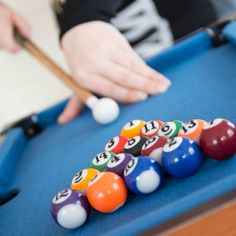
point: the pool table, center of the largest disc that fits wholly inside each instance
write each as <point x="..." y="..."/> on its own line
<point x="39" y="159"/>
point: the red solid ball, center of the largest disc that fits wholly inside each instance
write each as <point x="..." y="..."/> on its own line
<point x="116" y="144"/>
<point x="218" y="139"/>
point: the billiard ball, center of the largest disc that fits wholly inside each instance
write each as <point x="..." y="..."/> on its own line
<point x="218" y="139"/>
<point x="170" y="129"/>
<point x="132" y="128"/>
<point x="100" y="161"/>
<point x="82" y="178"/>
<point x="104" y="110"/>
<point x="151" y="128"/>
<point x="134" y="145"/>
<point x="116" y="144"/>
<point x="143" y="175"/>
<point x="192" y="129"/>
<point x="181" y="157"/>
<point x="118" y="163"/>
<point x="70" y="209"/>
<point x="107" y="192"/>
<point x="153" y="148"/>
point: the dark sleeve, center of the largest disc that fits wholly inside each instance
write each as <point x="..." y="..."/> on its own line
<point x="74" y="12"/>
<point x="186" y="16"/>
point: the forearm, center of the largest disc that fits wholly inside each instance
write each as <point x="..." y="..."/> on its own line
<point x="75" y="12"/>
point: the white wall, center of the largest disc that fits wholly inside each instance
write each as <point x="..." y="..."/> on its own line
<point x="25" y="85"/>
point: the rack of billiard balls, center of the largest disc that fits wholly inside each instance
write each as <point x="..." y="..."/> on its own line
<point x="137" y="160"/>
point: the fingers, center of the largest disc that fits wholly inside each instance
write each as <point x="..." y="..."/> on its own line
<point x="106" y="87"/>
<point x="134" y="63"/>
<point x="9" y="20"/>
<point x="21" y="24"/>
<point x="72" y="109"/>
<point x="102" y="61"/>
<point x="6" y="31"/>
<point x="132" y="79"/>
<point x="8" y="42"/>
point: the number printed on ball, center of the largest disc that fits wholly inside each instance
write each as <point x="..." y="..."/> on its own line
<point x="189" y="127"/>
<point x="172" y="144"/>
<point x="167" y="129"/>
<point x="130" y="166"/>
<point x="96" y="178"/>
<point x="116" y="160"/>
<point x="62" y="196"/>
<point x="111" y="144"/>
<point x="213" y="123"/>
<point x="101" y="158"/>
<point x="132" y="124"/>
<point x="150" y="142"/>
<point x="80" y="176"/>
<point x="132" y="142"/>
<point x="150" y="127"/>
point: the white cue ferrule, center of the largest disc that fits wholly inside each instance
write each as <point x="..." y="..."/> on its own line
<point x="92" y="101"/>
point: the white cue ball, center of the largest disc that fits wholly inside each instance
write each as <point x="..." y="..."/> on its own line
<point x="105" y="111"/>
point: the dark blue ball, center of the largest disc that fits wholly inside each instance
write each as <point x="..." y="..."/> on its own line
<point x="181" y="157"/>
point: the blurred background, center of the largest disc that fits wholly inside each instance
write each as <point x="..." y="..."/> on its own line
<point x="25" y="85"/>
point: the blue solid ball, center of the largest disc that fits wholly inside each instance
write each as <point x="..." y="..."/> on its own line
<point x="143" y="175"/>
<point x="181" y="157"/>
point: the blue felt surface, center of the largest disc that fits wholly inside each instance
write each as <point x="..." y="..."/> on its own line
<point x="229" y="32"/>
<point x="10" y="155"/>
<point x="204" y="82"/>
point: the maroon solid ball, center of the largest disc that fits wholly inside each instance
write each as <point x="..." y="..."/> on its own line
<point x="70" y="209"/>
<point x="118" y="163"/>
<point x="153" y="148"/>
<point x="218" y="139"/>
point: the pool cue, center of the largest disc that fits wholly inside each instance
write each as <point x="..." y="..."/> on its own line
<point x="81" y="92"/>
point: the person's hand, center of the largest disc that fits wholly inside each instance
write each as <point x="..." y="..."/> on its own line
<point x="102" y="61"/>
<point x="10" y="20"/>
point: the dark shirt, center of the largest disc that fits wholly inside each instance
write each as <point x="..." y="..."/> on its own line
<point x="183" y="16"/>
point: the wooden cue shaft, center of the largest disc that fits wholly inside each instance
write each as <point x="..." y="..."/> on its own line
<point x="82" y="93"/>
